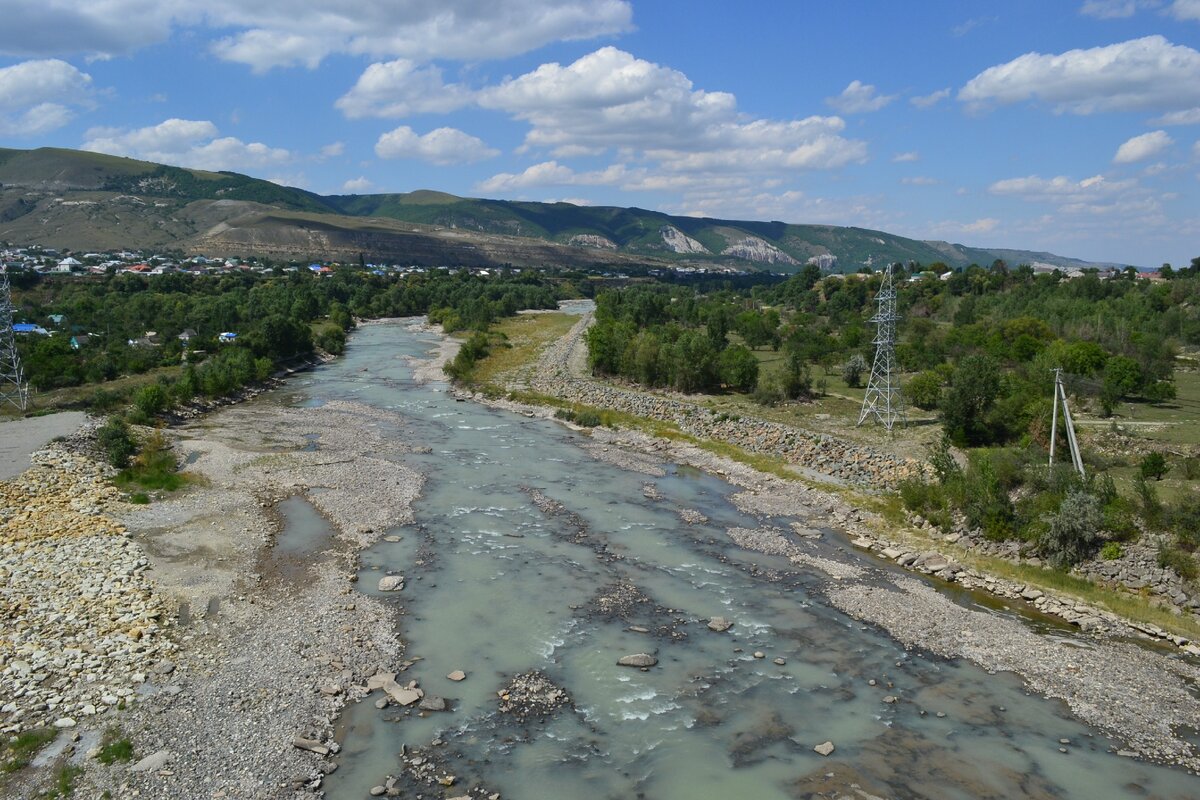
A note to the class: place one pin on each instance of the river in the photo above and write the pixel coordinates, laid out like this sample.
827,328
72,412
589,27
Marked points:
498,584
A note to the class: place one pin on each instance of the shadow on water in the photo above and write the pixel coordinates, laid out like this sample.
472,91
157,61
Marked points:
529,555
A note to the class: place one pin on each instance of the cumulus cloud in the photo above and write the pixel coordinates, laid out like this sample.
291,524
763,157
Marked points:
930,100
185,143
1186,9
1114,9
401,88
276,33
1190,116
859,98
904,158
1140,148
39,96
357,185
333,149
1140,74
443,146
609,100
1118,203
919,180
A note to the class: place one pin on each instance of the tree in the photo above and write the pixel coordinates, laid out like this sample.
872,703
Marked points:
738,368
852,370
974,387
924,390
1073,532
1122,377
1154,465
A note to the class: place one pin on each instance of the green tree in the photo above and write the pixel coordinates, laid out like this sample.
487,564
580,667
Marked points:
966,403
1074,532
1154,465
852,370
924,390
1122,377
738,368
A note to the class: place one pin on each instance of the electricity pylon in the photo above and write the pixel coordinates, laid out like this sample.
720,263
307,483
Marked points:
1060,395
883,399
12,384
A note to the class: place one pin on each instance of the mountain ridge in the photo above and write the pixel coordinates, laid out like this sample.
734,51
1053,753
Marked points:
82,200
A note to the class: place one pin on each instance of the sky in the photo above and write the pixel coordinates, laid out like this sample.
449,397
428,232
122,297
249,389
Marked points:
1071,126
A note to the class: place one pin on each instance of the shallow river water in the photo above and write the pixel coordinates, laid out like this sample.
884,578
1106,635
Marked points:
496,586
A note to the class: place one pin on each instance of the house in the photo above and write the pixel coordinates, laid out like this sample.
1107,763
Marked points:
151,339
227,337
29,327
187,335
80,339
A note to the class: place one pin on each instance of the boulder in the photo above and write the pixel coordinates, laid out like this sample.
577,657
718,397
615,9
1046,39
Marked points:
152,762
824,748
719,624
391,583
457,675
637,660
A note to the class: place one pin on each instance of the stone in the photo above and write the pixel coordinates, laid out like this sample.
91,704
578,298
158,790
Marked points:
391,583
432,703
719,624
64,722
377,791
457,675
759,654
824,748
780,661
152,762
310,745
637,660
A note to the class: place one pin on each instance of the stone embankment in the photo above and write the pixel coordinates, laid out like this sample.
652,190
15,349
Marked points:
559,376
81,624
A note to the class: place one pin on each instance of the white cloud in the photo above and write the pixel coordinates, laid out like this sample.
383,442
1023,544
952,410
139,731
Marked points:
442,146
1196,149
1122,204
1115,9
1140,74
1139,148
551,173
859,98
275,33
357,185
981,225
1186,9
966,27
930,100
903,158
333,150
609,100
920,180
401,88
953,228
37,96
1034,187
185,143
1190,116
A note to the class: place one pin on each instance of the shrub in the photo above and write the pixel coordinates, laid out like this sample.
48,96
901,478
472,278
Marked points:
1174,558
924,390
1190,467
151,400
852,370
767,392
115,750
1111,551
587,418
1154,465
116,442
1072,534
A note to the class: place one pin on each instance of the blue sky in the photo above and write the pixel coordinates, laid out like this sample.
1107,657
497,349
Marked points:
1070,126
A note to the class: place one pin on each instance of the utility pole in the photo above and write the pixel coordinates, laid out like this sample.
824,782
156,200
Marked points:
883,399
1060,395
12,384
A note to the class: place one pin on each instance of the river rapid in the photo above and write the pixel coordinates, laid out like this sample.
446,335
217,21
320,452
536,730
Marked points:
529,554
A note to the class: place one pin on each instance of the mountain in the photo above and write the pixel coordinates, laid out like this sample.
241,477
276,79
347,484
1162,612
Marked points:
78,200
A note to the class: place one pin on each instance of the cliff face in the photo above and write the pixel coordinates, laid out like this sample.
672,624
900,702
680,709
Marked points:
753,248
679,242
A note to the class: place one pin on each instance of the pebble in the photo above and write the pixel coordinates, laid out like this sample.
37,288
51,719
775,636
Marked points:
824,748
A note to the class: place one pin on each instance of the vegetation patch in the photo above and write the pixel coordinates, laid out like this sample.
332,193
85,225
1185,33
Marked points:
20,750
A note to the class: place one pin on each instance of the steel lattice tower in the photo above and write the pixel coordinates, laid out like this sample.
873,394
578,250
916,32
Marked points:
12,383
883,399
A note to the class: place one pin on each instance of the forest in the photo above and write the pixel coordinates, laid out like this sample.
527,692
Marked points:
979,348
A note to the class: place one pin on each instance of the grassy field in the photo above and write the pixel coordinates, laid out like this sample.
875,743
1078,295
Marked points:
525,336
76,397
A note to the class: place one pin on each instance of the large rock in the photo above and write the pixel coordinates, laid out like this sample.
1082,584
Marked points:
824,748
152,762
719,624
391,583
637,660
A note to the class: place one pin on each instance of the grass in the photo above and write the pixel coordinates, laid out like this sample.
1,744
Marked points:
64,782
20,750
526,335
115,749
92,395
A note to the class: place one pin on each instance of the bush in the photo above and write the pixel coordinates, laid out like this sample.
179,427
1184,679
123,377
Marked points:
1190,467
1174,558
1111,551
151,400
331,338
1072,534
587,418
116,441
852,370
924,390
767,392
1154,465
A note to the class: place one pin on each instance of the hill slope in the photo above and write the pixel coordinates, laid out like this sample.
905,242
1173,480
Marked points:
82,200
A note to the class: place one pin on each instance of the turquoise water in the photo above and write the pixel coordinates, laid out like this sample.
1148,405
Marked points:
497,587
